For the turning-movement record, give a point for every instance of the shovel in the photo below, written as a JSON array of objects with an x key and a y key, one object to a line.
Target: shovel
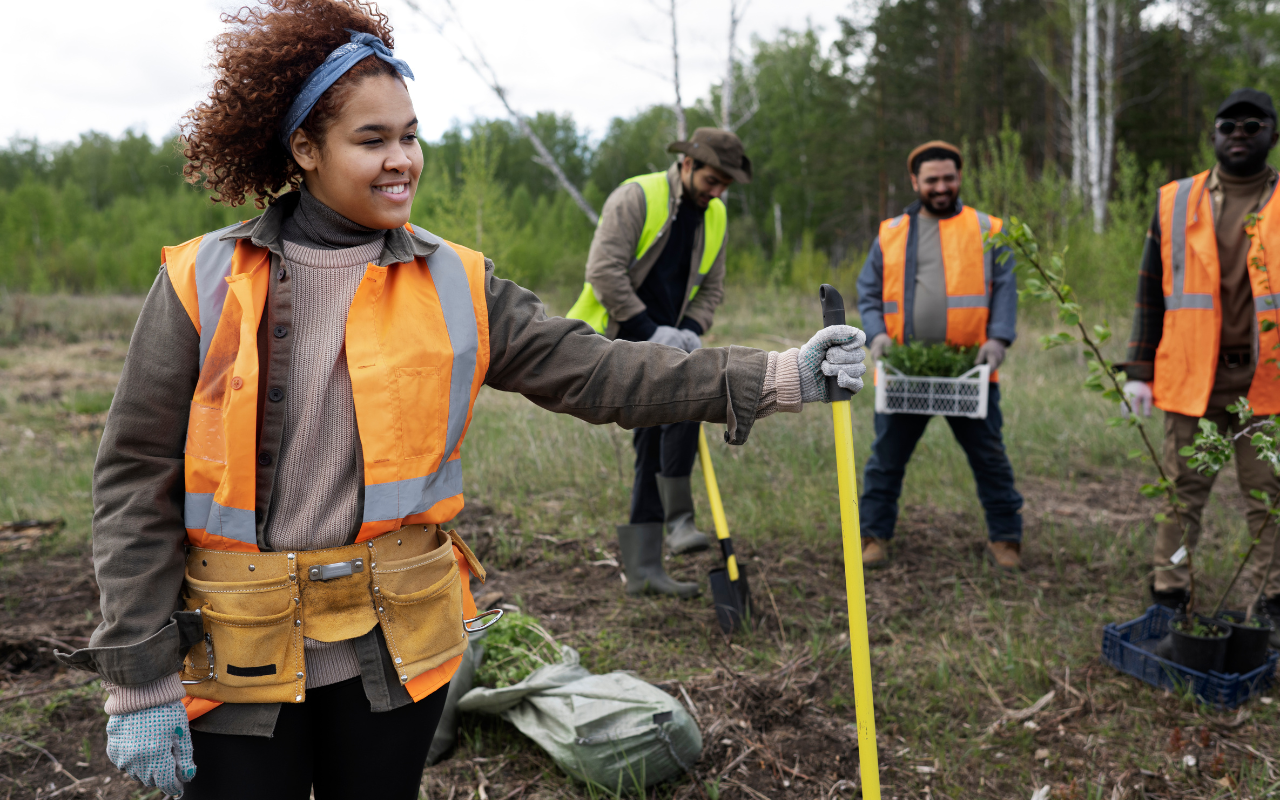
[
  {"x": 729, "y": 589},
  {"x": 859, "y": 644}
]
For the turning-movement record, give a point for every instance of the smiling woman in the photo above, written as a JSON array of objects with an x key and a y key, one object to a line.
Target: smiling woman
[{"x": 284, "y": 447}]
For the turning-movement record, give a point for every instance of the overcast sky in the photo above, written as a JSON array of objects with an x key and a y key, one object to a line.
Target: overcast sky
[{"x": 78, "y": 65}]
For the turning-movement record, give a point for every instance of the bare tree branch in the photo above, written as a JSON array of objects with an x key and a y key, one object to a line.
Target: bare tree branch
[
  {"x": 682, "y": 127},
  {"x": 481, "y": 66}
]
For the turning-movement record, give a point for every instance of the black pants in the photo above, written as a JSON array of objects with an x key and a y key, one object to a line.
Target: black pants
[
  {"x": 667, "y": 449},
  {"x": 332, "y": 741}
]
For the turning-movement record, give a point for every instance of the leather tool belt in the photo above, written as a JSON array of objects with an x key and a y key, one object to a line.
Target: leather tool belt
[{"x": 257, "y": 607}]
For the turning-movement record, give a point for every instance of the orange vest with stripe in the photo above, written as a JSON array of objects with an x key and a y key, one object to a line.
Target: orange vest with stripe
[
  {"x": 1187, "y": 358},
  {"x": 417, "y": 343},
  {"x": 966, "y": 265}
]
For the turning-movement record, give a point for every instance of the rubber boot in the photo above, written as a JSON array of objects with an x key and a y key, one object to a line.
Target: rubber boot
[
  {"x": 677, "y": 507},
  {"x": 641, "y": 547}
]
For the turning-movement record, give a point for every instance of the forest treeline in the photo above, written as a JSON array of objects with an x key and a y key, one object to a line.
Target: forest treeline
[{"x": 827, "y": 128}]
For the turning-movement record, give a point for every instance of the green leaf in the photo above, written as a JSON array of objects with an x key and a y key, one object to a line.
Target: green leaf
[
  {"x": 1267, "y": 325},
  {"x": 1258, "y": 494},
  {"x": 1187, "y": 451},
  {"x": 1151, "y": 490},
  {"x": 1135, "y": 454},
  {"x": 1161, "y": 517}
]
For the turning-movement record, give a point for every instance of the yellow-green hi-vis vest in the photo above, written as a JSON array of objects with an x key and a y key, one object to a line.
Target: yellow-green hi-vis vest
[{"x": 657, "y": 198}]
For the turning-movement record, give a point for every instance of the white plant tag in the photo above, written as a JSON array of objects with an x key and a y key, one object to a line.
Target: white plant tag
[{"x": 1179, "y": 556}]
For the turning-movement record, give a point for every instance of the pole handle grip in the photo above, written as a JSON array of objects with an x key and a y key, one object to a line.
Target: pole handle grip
[{"x": 833, "y": 314}]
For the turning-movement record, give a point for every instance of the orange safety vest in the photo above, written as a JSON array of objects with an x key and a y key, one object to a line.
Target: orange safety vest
[
  {"x": 417, "y": 342},
  {"x": 1187, "y": 358},
  {"x": 968, "y": 269}
]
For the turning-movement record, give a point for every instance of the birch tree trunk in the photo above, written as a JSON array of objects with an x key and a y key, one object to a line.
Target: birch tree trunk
[
  {"x": 682, "y": 129},
  {"x": 1093, "y": 140},
  {"x": 1076, "y": 109},
  {"x": 1109, "y": 103},
  {"x": 726, "y": 89}
]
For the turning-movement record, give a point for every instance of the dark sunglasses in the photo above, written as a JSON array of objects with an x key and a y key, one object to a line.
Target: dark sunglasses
[{"x": 1226, "y": 127}]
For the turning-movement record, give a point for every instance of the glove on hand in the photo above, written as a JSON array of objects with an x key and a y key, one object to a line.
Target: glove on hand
[
  {"x": 1139, "y": 395},
  {"x": 671, "y": 337},
  {"x": 992, "y": 352},
  {"x": 153, "y": 746},
  {"x": 879, "y": 345},
  {"x": 691, "y": 341},
  {"x": 835, "y": 350}
]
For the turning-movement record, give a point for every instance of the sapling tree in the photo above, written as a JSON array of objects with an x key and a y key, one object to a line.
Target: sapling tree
[{"x": 1044, "y": 275}]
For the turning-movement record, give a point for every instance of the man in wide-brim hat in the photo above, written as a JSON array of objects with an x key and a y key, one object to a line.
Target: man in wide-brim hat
[{"x": 655, "y": 274}]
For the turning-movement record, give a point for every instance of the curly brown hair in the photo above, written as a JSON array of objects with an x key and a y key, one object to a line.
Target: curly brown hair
[{"x": 232, "y": 142}]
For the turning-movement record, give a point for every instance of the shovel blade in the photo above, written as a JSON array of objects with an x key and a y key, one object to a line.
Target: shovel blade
[{"x": 732, "y": 599}]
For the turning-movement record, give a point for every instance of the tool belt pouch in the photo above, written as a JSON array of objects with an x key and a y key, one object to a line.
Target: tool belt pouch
[
  {"x": 417, "y": 587},
  {"x": 252, "y": 650}
]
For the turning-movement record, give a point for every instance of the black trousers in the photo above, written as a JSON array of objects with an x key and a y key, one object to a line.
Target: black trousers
[
  {"x": 667, "y": 449},
  {"x": 332, "y": 742}
]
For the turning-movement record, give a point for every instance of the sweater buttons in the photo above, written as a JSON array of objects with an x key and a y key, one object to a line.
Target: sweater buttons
[
  {"x": 276, "y": 394},
  {"x": 264, "y": 459},
  {"x": 281, "y": 275},
  {"x": 281, "y": 331},
  {"x": 237, "y": 382}
]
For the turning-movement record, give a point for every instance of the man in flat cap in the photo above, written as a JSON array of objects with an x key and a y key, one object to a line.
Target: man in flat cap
[
  {"x": 1205, "y": 331},
  {"x": 655, "y": 273},
  {"x": 928, "y": 278}
]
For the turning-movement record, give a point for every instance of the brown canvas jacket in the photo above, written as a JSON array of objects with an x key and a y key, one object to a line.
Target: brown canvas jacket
[
  {"x": 138, "y": 491},
  {"x": 615, "y": 274}
]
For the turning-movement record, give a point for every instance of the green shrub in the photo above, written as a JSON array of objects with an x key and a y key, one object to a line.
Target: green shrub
[{"x": 516, "y": 646}]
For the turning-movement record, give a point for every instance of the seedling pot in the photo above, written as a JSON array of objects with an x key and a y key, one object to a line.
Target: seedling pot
[
  {"x": 1247, "y": 645},
  {"x": 1200, "y": 653}
]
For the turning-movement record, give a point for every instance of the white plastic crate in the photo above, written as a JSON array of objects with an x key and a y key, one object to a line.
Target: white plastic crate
[{"x": 965, "y": 396}]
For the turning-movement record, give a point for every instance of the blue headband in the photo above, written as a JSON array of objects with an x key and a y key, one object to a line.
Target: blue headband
[{"x": 361, "y": 46}]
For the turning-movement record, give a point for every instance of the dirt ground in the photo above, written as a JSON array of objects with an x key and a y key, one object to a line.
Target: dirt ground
[{"x": 773, "y": 705}]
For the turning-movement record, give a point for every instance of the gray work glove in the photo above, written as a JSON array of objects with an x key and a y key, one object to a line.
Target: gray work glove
[
  {"x": 835, "y": 350},
  {"x": 879, "y": 345},
  {"x": 1139, "y": 395},
  {"x": 153, "y": 746},
  {"x": 992, "y": 352},
  {"x": 671, "y": 337},
  {"x": 691, "y": 340}
]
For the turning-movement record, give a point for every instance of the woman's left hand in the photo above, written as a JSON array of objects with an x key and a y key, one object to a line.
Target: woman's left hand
[{"x": 833, "y": 351}]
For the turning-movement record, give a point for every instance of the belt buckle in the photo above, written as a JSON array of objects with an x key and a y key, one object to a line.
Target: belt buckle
[{"x": 327, "y": 572}]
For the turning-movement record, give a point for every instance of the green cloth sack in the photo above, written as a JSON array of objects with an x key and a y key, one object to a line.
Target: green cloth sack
[{"x": 614, "y": 730}]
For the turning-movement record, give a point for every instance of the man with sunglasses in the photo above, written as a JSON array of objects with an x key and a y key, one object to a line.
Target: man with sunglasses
[{"x": 1205, "y": 328}]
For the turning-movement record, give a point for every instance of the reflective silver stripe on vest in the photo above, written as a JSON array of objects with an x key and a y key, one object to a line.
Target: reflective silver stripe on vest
[
  {"x": 199, "y": 511},
  {"x": 1178, "y": 250},
  {"x": 988, "y": 256},
  {"x": 891, "y": 307},
  {"x": 399, "y": 499},
  {"x": 213, "y": 265},
  {"x": 967, "y": 301},
  {"x": 1266, "y": 302}
]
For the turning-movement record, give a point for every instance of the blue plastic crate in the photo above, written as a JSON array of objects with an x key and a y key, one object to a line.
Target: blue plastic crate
[{"x": 1128, "y": 647}]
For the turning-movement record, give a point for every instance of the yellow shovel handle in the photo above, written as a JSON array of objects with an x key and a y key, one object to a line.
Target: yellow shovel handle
[
  {"x": 859, "y": 642},
  {"x": 713, "y": 495}
]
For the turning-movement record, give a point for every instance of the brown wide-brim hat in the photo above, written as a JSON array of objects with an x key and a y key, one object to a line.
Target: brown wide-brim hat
[{"x": 719, "y": 149}]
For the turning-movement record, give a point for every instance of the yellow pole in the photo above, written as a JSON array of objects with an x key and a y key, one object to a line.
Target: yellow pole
[
  {"x": 859, "y": 641},
  {"x": 713, "y": 496}
]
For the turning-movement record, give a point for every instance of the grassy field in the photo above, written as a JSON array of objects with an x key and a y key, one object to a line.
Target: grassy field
[{"x": 956, "y": 647}]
